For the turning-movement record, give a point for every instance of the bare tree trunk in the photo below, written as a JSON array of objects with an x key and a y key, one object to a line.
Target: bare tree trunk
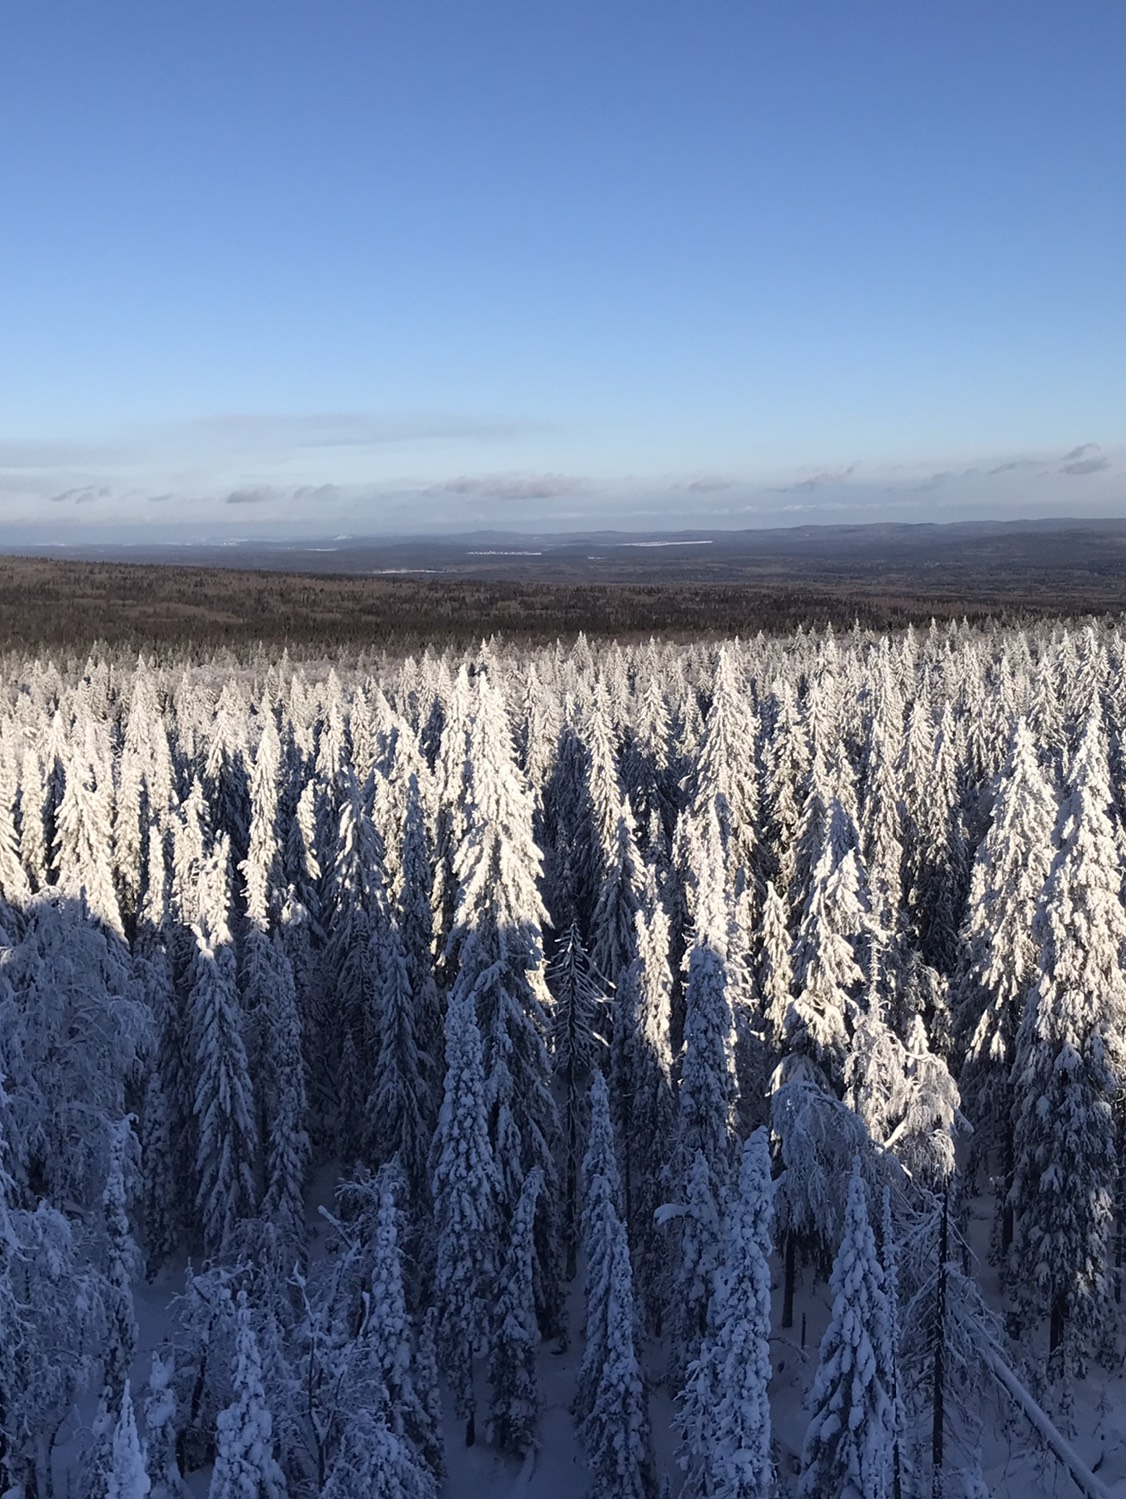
[{"x": 788, "y": 1283}]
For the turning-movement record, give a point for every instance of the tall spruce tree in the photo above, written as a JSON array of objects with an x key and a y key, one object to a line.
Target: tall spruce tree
[
  {"x": 517, "y": 1400},
  {"x": 223, "y": 1097},
  {"x": 497, "y": 945},
  {"x": 465, "y": 1185},
  {"x": 725, "y": 1411},
  {"x": 1001, "y": 955},
  {"x": 1068, "y": 1070},
  {"x": 610, "y": 1402},
  {"x": 849, "y": 1444},
  {"x": 245, "y": 1464}
]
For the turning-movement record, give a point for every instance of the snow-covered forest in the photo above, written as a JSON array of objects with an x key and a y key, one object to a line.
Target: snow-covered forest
[{"x": 669, "y": 1068}]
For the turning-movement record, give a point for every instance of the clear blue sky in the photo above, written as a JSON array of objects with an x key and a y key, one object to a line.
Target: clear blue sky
[{"x": 390, "y": 266}]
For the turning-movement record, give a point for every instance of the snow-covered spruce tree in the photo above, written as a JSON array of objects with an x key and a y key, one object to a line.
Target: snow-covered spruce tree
[
  {"x": 84, "y": 828},
  {"x": 451, "y": 769},
  {"x": 299, "y": 918},
  {"x": 725, "y": 1412},
  {"x": 166, "y": 1138},
  {"x": 398, "y": 1117},
  {"x": 34, "y": 849},
  {"x": 497, "y": 945},
  {"x": 144, "y": 789},
  {"x": 1069, "y": 1069},
  {"x": 887, "y": 1347},
  {"x": 725, "y": 776},
  {"x": 706, "y": 1084},
  {"x": 1001, "y": 958},
  {"x": 416, "y": 929},
  {"x": 128, "y": 1476},
  {"x": 575, "y": 1048},
  {"x": 602, "y": 1203},
  {"x": 704, "y": 1103},
  {"x": 224, "y": 1106},
  {"x": 850, "y": 1440},
  {"x": 773, "y": 969},
  {"x": 245, "y": 1464},
  {"x": 785, "y": 756},
  {"x": 373, "y": 1461},
  {"x": 881, "y": 817},
  {"x": 121, "y": 1264},
  {"x": 465, "y": 1186},
  {"x": 285, "y": 1149},
  {"x": 652, "y": 1107},
  {"x": 613, "y": 936},
  {"x": 835, "y": 922},
  {"x": 378, "y": 1366},
  {"x": 160, "y": 1429},
  {"x": 15, "y": 886},
  {"x": 225, "y": 769},
  {"x": 49, "y": 1330},
  {"x": 610, "y": 1402},
  {"x": 355, "y": 908},
  {"x": 517, "y": 1400},
  {"x": 263, "y": 868},
  {"x": 645, "y": 761},
  {"x": 939, "y": 869},
  {"x": 594, "y": 848},
  {"x": 75, "y": 1033},
  {"x": 394, "y": 1341}
]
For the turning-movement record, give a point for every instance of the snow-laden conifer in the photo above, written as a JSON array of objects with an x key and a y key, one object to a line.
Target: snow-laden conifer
[
  {"x": 849, "y": 1443},
  {"x": 399, "y": 1124},
  {"x": 613, "y": 939},
  {"x": 84, "y": 829},
  {"x": 517, "y": 1400},
  {"x": 610, "y": 1404},
  {"x": 725, "y": 777},
  {"x": 223, "y": 1099},
  {"x": 464, "y": 1187},
  {"x": 725, "y": 1411},
  {"x": 834, "y": 922},
  {"x": 128, "y": 1476},
  {"x": 285, "y": 1151},
  {"x": 497, "y": 945},
  {"x": 1001, "y": 955},
  {"x": 121, "y": 1265},
  {"x": 576, "y": 1048},
  {"x": 245, "y": 1463},
  {"x": 161, "y": 1430},
  {"x": 1069, "y": 1066},
  {"x": 602, "y": 1207}
]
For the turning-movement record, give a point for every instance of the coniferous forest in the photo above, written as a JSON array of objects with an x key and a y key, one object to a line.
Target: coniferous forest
[{"x": 617, "y": 1070}]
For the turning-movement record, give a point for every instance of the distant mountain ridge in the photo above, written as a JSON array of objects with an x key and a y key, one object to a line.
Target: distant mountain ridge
[{"x": 636, "y": 554}]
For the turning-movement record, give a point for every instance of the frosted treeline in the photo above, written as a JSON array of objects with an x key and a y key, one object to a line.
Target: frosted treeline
[{"x": 410, "y": 1019}]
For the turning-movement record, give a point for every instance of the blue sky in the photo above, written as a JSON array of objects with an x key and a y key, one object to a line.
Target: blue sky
[{"x": 278, "y": 267}]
